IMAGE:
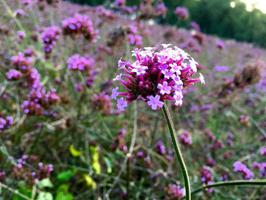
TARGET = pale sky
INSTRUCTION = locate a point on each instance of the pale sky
(259, 4)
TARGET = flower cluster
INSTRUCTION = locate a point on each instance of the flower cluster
(5, 122)
(182, 13)
(80, 63)
(185, 138)
(174, 192)
(120, 141)
(243, 169)
(150, 9)
(21, 169)
(102, 102)
(163, 151)
(49, 38)
(79, 25)
(160, 148)
(83, 64)
(206, 177)
(119, 3)
(156, 75)
(160, 9)
(21, 62)
(133, 37)
(38, 99)
(263, 151)
(261, 167)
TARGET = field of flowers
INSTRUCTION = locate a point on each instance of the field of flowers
(99, 103)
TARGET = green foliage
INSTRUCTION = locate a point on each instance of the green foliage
(63, 194)
(45, 196)
(65, 175)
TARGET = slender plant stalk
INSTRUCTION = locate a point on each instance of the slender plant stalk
(231, 183)
(14, 191)
(177, 151)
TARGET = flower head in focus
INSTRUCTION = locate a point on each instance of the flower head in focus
(156, 75)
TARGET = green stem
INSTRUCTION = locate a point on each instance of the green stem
(11, 14)
(229, 183)
(14, 191)
(177, 151)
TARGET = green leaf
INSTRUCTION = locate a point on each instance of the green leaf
(65, 175)
(45, 183)
(108, 164)
(22, 190)
(45, 196)
(64, 196)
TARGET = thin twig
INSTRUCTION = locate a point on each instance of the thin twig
(131, 148)
(14, 191)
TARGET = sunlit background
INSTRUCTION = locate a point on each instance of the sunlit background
(255, 4)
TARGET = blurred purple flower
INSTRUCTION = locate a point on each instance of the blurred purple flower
(243, 169)
(182, 12)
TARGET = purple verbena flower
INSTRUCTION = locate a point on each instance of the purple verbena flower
(243, 169)
(174, 191)
(79, 25)
(121, 104)
(182, 12)
(263, 151)
(185, 138)
(160, 148)
(261, 167)
(13, 74)
(49, 37)
(80, 63)
(157, 75)
(154, 102)
(206, 177)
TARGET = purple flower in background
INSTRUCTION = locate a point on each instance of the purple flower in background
(115, 93)
(174, 191)
(206, 177)
(5, 122)
(79, 25)
(160, 9)
(194, 25)
(160, 148)
(13, 74)
(77, 62)
(182, 12)
(121, 104)
(134, 38)
(120, 3)
(21, 62)
(220, 44)
(261, 167)
(49, 37)
(243, 169)
(185, 138)
(19, 13)
(220, 68)
(263, 151)
(102, 102)
(157, 75)
(21, 35)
